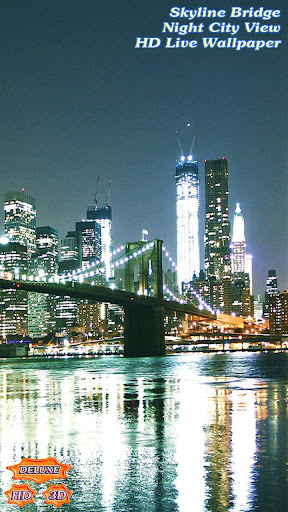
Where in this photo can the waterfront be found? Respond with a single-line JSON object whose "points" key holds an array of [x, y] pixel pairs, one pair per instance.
{"points": [[192, 432]]}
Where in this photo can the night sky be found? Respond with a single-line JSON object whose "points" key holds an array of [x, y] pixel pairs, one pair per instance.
{"points": [[78, 101]]}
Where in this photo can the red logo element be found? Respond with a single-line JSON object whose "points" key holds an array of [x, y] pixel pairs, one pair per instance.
{"points": [[20, 495], [57, 495], [39, 470]]}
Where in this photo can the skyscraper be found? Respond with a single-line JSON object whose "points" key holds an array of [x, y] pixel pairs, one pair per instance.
{"points": [[41, 308], [241, 263], [271, 289], [217, 229], [47, 249], [69, 252], [187, 207], [20, 219], [20, 228], [103, 216], [89, 235], [217, 234], [13, 303], [238, 244]]}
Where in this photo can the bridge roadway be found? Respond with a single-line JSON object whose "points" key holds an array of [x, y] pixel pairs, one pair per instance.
{"points": [[144, 315]]}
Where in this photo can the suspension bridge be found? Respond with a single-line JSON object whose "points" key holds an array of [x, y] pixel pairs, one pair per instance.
{"points": [[145, 309]]}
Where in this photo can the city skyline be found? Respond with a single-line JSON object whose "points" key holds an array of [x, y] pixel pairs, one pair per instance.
{"points": [[108, 216], [74, 108]]}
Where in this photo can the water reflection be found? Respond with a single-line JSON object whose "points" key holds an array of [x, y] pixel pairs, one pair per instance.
{"points": [[157, 435]]}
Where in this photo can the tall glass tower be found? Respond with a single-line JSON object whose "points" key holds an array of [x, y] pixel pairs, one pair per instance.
{"points": [[41, 307], [20, 219], [217, 229], [103, 216], [89, 235], [47, 249], [238, 244], [187, 208]]}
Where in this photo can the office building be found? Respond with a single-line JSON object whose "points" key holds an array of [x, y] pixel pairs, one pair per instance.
{"points": [[217, 234], [103, 217], [13, 303], [20, 229], [69, 252], [187, 208], [240, 261], [20, 219], [258, 309], [89, 236], [238, 244], [66, 314], [241, 296], [278, 312], [242, 301], [217, 228], [283, 302], [78, 249], [93, 318], [275, 313], [272, 307], [44, 263], [271, 288], [47, 249]]}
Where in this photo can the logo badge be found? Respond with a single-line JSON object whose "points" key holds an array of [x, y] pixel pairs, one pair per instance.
{"points": [[39, 470], [20, 495], [57, 495]]}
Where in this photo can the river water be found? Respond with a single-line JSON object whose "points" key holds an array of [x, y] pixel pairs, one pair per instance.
{"points": [[183, 433]]}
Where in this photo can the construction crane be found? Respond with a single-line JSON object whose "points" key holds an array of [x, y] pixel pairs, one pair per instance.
{"points": [[109, 192], [96, 192]]}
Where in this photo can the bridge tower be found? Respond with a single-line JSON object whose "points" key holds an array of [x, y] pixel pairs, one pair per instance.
{"points": [[151, 258], [143, 326]]}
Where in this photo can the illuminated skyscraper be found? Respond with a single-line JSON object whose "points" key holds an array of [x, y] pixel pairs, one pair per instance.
{"points": [[103, 216], [20, 219], [217, 230], [13, 303], [217, 234], [241, 262], [41, 311], [47, 249], [69, 252], [187, 207], [89, 235], [238, 242], [271, 289], [20, 228]]}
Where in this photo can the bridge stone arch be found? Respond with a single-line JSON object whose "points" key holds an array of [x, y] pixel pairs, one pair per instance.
{"points": [[150, 258]]}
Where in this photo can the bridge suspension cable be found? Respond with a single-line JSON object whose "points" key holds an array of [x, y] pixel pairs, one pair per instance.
{"points": [[90, 270], [202, 303]]}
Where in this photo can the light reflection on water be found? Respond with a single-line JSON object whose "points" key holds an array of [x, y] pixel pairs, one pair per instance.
{"points": [[200, 432]]}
